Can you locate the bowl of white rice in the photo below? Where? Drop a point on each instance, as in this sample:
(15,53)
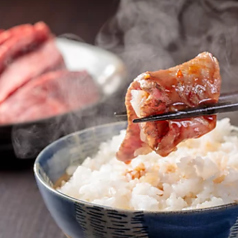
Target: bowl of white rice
(193,192)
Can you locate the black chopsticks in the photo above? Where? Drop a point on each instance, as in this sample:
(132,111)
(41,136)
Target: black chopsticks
(228,102)
(195,112)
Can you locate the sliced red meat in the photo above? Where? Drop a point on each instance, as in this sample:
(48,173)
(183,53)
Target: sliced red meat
(48,95)
(7,34)
(29,66)
(191,84)
(20,40)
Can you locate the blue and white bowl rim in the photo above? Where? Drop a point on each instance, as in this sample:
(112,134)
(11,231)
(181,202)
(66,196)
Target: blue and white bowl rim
(58,193)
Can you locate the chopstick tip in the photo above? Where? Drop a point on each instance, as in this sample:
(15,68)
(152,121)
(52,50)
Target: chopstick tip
(120,114)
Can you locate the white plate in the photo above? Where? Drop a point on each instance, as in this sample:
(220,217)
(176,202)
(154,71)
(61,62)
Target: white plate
(106,68)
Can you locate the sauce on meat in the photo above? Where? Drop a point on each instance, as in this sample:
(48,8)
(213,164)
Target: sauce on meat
(191,84)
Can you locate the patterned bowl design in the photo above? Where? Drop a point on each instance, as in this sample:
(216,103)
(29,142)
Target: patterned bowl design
(82,219)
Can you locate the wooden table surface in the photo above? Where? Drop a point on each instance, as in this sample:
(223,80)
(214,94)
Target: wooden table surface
(23,213)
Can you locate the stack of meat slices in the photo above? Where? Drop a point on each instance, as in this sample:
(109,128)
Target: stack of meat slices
(34,81)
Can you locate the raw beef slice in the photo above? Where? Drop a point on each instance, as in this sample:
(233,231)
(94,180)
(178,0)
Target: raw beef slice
(46,58)
(48,95)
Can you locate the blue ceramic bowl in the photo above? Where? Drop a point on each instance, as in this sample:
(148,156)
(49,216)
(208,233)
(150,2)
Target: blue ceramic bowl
(82,219)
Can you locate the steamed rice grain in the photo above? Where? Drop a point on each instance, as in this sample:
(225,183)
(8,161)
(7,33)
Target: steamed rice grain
(201,173)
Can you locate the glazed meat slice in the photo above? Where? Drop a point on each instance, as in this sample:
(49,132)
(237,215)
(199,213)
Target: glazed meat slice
(48,95)
(21,39)
(191,84)
(46,58)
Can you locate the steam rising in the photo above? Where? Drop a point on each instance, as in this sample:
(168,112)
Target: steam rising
(152,35)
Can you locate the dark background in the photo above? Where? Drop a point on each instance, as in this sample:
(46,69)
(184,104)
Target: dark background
(22,211)
(81,17)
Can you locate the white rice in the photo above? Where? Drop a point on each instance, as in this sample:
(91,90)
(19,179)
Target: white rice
(201,173)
